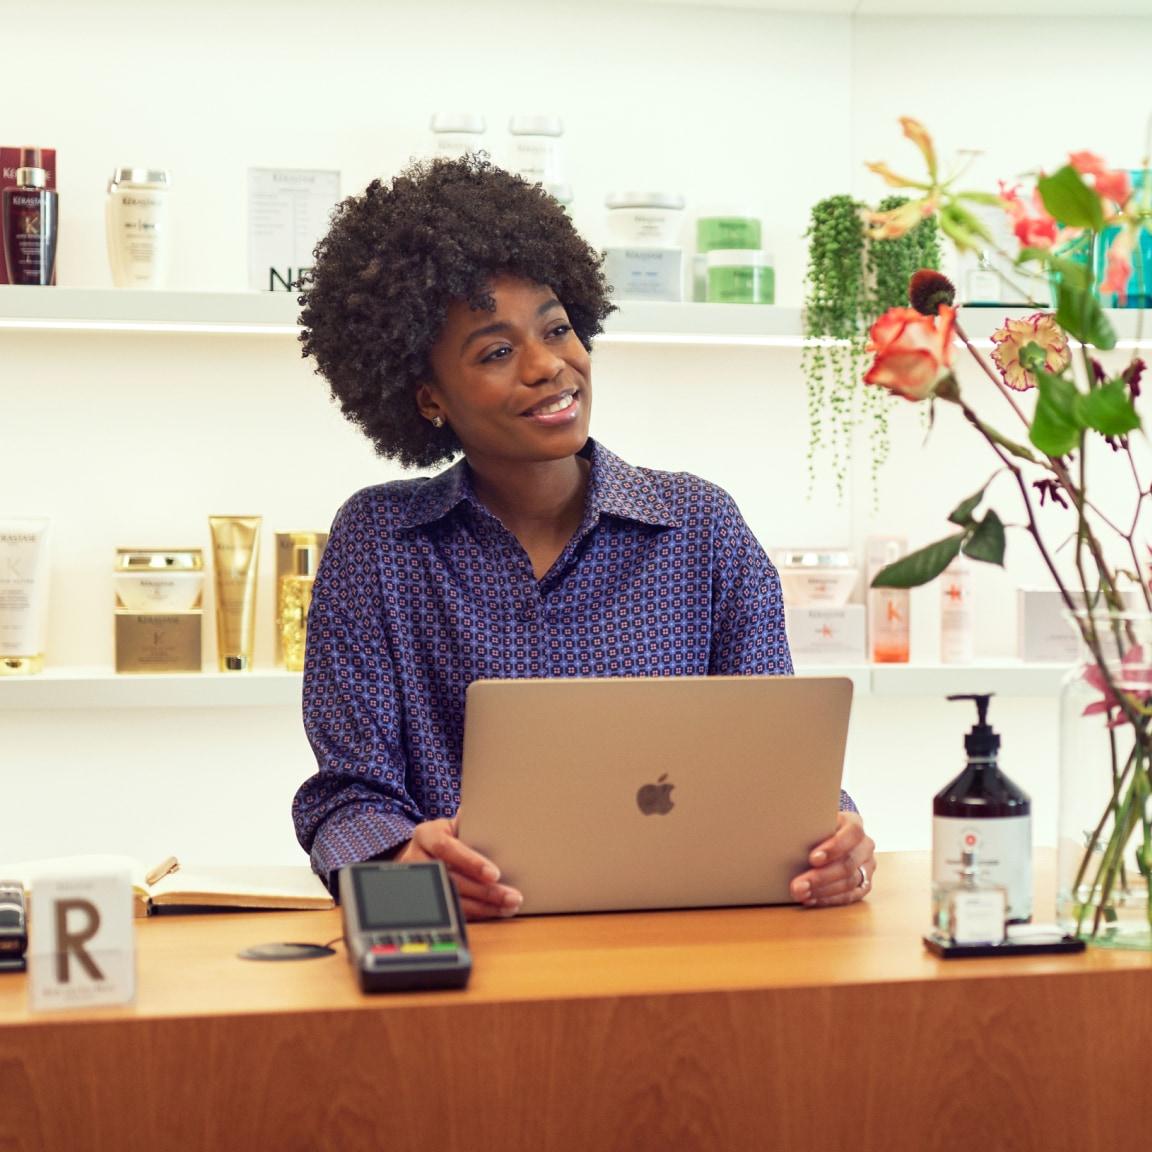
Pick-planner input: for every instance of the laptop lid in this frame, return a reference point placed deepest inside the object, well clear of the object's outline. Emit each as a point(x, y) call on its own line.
point(652, 792)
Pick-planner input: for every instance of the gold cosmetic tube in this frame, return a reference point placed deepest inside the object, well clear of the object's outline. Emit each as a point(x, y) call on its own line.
point(235, 550)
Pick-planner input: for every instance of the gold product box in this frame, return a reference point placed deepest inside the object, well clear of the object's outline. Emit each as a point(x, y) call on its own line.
point(288, 547)
point(159, 610)
point(159, 642)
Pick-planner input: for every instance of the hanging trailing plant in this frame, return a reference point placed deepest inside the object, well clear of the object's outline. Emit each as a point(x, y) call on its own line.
point(851, 280)
point(834, 337)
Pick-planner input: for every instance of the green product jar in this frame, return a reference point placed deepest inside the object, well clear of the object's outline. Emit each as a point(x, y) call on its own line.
point(741, 276)
point(713, 232)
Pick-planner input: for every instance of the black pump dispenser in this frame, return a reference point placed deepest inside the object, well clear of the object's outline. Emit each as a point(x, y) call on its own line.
point(981, 809)
point(981, 741)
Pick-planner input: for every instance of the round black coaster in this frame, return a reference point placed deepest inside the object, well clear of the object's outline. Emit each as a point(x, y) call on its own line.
point(286, 951)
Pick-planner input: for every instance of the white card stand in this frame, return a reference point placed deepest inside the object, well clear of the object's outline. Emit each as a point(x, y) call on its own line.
point(82, 943)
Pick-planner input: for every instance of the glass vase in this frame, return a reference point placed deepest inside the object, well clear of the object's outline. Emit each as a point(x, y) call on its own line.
point(1104, 853)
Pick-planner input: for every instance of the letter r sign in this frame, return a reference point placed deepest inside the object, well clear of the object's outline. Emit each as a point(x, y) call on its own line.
point(81, 941)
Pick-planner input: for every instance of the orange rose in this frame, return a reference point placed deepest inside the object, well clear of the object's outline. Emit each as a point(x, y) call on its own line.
point(913, 352)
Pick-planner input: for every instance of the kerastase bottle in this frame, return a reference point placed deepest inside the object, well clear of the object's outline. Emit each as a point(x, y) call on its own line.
point(136, 218)
point(984, 814)
point(956, 622)
point(29, 219)
point(889, 609)
point(294, 598)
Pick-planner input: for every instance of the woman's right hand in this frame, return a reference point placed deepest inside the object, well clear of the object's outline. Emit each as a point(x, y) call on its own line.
point(475, 876)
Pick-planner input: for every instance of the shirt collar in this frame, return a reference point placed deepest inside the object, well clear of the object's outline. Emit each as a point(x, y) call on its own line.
point(614, 489)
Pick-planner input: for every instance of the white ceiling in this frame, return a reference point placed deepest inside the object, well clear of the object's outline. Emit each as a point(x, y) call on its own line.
point(918, 8)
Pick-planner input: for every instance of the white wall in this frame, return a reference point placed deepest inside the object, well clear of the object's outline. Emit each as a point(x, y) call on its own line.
point(134, 441)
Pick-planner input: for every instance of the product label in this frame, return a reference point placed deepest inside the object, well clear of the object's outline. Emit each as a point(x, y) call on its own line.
point(288, 210)
point(1003, 848)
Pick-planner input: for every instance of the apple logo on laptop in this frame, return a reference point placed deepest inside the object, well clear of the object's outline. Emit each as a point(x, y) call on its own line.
point(656, 799)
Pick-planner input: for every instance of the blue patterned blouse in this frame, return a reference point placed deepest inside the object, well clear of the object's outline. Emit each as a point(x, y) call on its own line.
point(422, 590)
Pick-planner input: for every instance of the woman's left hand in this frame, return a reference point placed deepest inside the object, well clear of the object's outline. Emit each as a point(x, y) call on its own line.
point(841, 867)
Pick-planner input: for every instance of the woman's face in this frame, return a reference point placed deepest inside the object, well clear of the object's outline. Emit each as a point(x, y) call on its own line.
point(514, 383)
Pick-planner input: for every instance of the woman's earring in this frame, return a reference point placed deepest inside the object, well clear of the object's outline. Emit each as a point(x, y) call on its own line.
point(437, 421)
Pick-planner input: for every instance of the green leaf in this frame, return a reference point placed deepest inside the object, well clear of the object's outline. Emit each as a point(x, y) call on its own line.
point(1109, 409)
point(919, 567)
point(1079, 313)
point(989, 198)
point(962, 227)
point(1069, 200)
point(987, 542)
point(962, 513)
point(1056, 426)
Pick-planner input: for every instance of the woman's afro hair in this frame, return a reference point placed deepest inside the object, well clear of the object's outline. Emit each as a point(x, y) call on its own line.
point(394, 259)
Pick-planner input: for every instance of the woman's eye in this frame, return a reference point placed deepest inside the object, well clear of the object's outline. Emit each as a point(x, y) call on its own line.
point(496, 354)
point(561, 330)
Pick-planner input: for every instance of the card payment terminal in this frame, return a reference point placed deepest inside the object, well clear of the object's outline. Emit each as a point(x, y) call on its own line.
point(402, 926)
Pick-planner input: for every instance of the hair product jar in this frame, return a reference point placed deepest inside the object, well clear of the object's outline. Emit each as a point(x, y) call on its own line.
point(741, 276)
point(645, 219)
point(456, 134)
point(138, 227)
point(535, 149)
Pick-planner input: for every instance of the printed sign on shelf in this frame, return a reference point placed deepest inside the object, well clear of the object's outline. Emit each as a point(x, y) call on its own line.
point(288, 212)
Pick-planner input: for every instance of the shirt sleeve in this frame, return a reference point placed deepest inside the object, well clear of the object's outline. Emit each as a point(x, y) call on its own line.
point(357, 804)
point(749, 636)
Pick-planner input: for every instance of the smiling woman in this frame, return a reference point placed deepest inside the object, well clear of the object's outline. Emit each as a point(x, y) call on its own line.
point(453, 312)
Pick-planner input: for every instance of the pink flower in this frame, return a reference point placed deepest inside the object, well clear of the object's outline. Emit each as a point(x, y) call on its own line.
point(1114, 185)
point(1110, 182)
point(1086, 163)
point(1039, 328)
point(1033, 228)
point(1134, 670)
point(1118, 266)
point(913, 352)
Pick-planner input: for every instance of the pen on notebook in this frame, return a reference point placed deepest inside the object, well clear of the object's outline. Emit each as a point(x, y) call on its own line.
point(161, 870)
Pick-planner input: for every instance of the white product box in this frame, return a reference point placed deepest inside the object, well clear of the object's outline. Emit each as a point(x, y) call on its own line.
point(1044, 634)
point(644, 273)
point(826, 635)
point(288, 211)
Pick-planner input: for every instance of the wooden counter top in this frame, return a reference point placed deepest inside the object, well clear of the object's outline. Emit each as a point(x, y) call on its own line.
point(724, 1029)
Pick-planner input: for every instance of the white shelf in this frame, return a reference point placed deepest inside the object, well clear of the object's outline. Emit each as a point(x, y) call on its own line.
point(101, 688)
point(275, 314)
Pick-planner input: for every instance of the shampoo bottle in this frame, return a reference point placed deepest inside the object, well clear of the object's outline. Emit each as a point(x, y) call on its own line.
point(29, 219)
point(984, 815)
point(888, 608)
point(956, 622)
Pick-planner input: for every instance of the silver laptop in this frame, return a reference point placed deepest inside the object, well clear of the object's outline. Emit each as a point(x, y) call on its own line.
point(652, 792)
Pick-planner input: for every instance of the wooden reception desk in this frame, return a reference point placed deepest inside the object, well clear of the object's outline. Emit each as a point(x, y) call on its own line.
point(718, 1030)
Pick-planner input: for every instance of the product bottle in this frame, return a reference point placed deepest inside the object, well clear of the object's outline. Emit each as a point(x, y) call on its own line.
point(30, 218)
point(136, 219)
point(956, 621)
point(534, 151)
point(969, 910)
point(983, 812)
point(294, 598)
point(456, 134)
point(888, 608)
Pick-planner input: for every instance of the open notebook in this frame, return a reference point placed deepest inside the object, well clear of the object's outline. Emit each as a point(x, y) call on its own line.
point(169, 886)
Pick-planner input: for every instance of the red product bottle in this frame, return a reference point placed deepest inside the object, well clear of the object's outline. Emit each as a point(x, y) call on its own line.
point(29, 219)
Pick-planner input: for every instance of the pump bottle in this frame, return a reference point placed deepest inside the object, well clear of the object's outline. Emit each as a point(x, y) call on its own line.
point(984, 814)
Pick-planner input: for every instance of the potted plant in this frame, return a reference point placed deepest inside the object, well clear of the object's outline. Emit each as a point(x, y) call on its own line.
point(853, 276)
